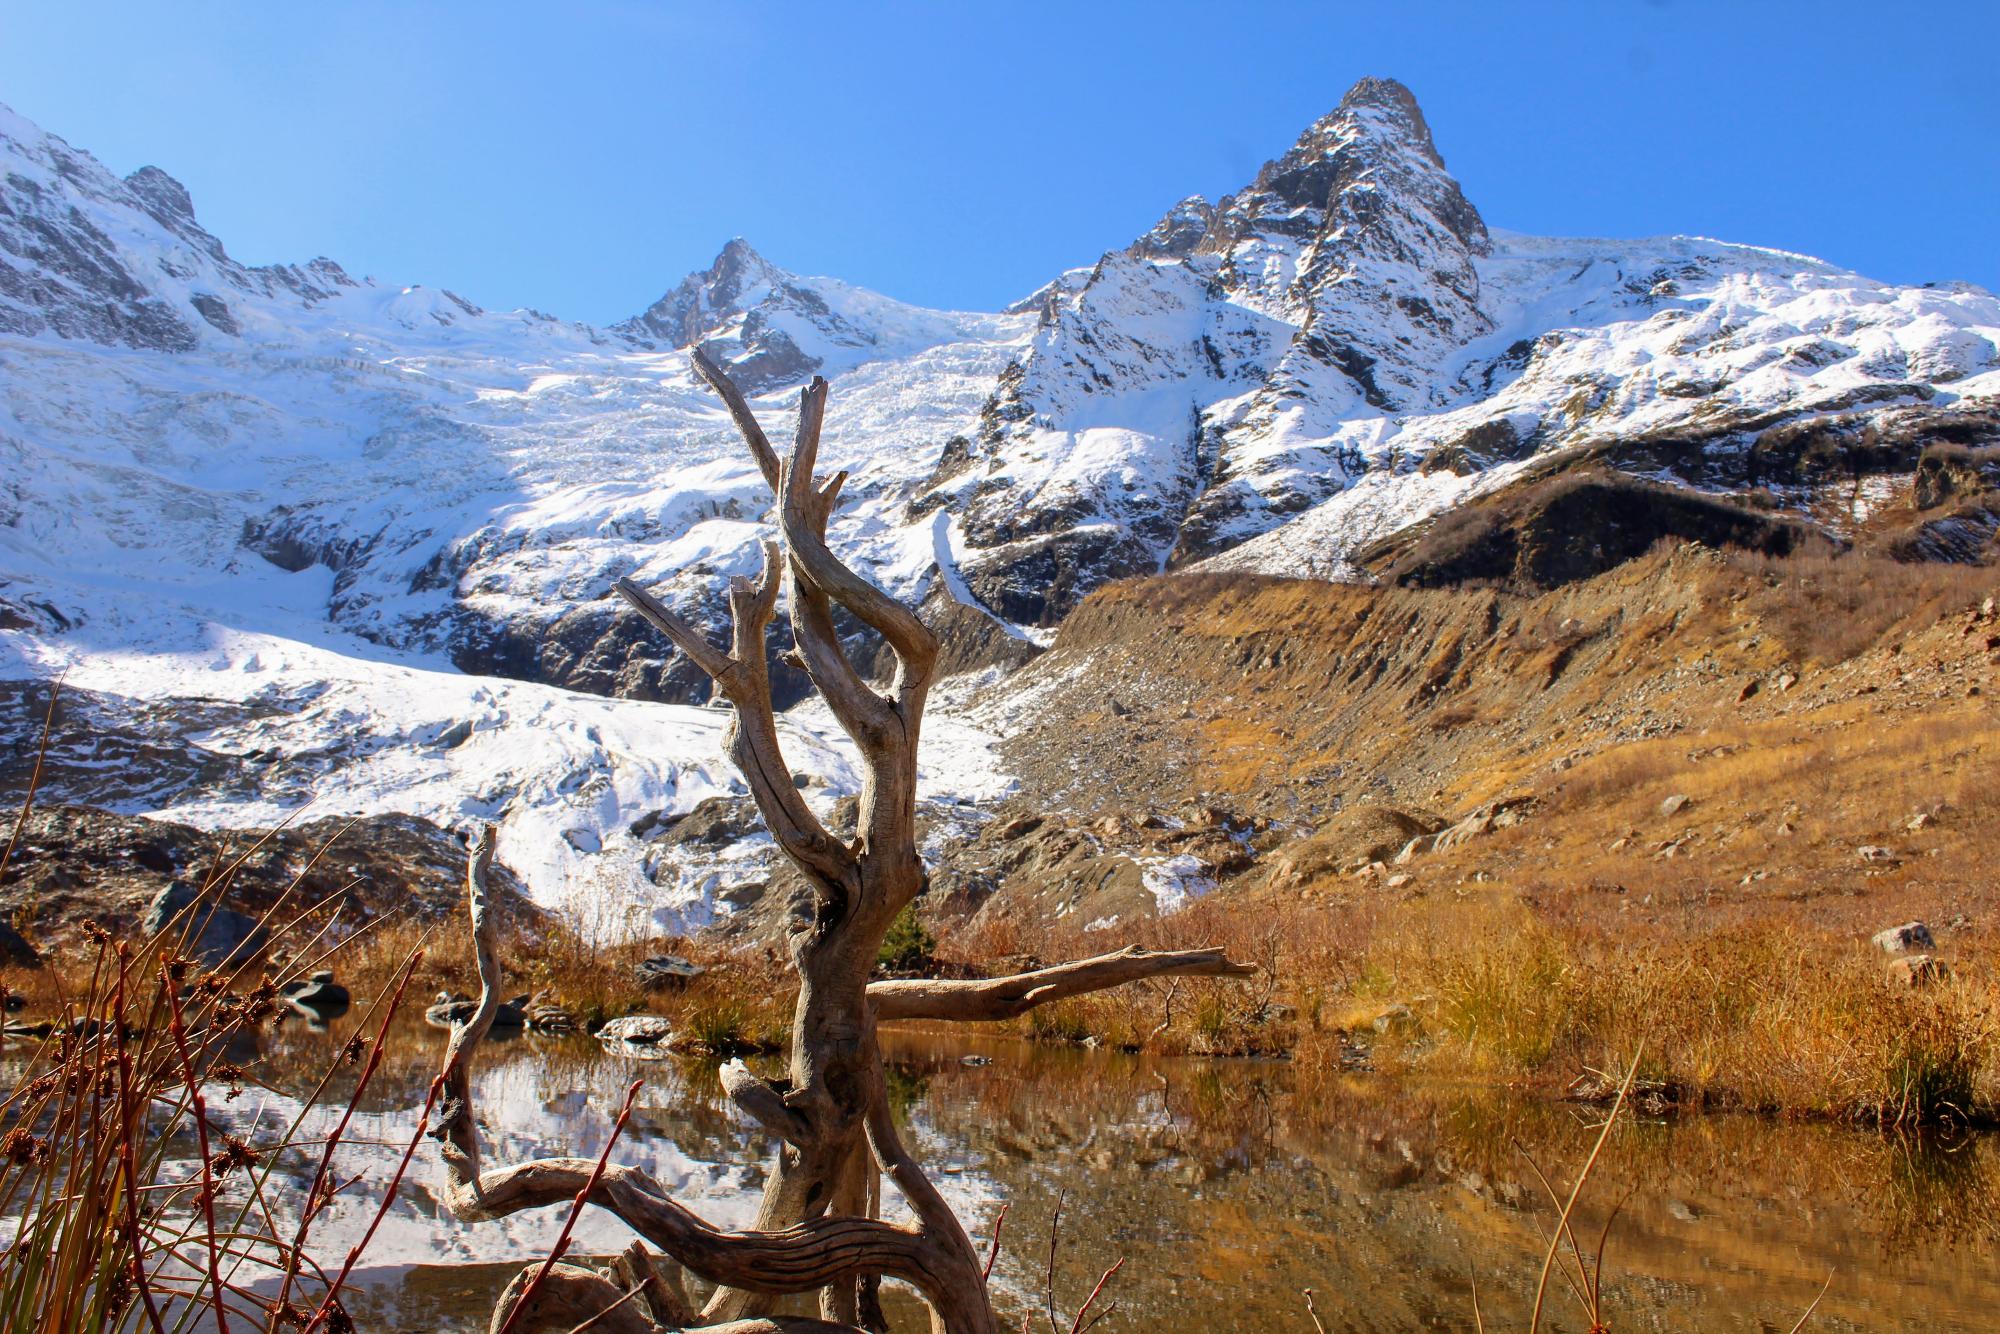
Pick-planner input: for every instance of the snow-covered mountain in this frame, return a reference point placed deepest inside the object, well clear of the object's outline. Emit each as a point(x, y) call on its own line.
point(1344, 348)
point(354, 517)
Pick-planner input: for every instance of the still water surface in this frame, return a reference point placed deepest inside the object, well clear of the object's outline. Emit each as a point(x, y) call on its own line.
point(1228, 1188)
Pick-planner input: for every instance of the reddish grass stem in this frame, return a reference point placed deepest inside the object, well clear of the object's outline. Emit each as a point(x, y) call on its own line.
point(575, 1210)
point(177, 1030)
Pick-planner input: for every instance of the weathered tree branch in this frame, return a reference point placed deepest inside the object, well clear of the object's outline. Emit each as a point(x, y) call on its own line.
point(1008, 997)
point(802, 517)
point(744, 677)
point(762, 1101)
point(739, 412)
point(815, 1226)
point(811, 1255)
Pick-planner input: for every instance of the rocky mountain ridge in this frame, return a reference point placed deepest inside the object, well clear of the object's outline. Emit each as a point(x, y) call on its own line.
point(353, 517)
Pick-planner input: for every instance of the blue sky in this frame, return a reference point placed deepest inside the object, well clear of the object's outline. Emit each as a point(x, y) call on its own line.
point(581, 158)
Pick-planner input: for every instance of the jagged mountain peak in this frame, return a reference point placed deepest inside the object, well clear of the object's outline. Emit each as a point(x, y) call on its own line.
point(1178, 234)
point(87, 256)
point(164, 197)
point(1396, 108)
point(1205, 368)
point(737, 280)
point(1371, 156)
point(768, 327)
point(772, 328)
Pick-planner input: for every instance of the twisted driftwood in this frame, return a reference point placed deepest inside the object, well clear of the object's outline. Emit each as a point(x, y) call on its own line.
point(816, 1229)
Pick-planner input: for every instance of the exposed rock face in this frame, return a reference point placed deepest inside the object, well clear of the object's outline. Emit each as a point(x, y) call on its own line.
point(1150, 418)
point(65, 274)
point(131, 874)
point(771, 329)
point(592, 647)
point(1357, 836)
point(1567, 528)
point(213, 934)
point(1360, 237)
point(750, 317)
point(1908, 936)
point(1948, 472)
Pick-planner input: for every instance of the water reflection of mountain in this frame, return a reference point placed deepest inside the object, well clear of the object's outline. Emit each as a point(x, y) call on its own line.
point(1227, 1186)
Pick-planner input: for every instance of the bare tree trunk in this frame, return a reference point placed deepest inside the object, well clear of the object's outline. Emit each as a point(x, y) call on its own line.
point(815, 1228)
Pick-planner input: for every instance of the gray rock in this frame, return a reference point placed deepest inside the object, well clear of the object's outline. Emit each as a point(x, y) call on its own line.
point(210, 933)
point(1396, 1018)
point(1675, 804)
point(1908, 936)
point(15, 951)
point(454, 736)
point(545, 1016)
point(455, 1007)
point(318, 992)
point(1916, 971)
point(715, 823)
point(1472, 826)
point(666, 970)
point(644, 1035)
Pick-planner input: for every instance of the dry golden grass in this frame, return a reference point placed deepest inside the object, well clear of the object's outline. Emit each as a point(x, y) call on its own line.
point(1828, 607)
point(1807, 707)
point(744, 998)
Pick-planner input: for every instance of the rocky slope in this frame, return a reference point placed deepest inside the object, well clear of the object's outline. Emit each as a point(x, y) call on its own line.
point(1201, 733)
point(81, 862)
point(297, 533)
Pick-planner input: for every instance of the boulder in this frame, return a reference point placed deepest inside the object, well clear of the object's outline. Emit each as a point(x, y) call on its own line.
point(1675, 804)
point(318, 992)
point(662, 971)
point(211, 934)
point(1476, 825)
point(641, 1029)
point(715, 822)
point(546, 1016)
point(455, 1007)
point(1358, 836)
point(643, 1037)
point(1917, 970)
point(1908, 936)
point(1397, 1018)
point(15, 951)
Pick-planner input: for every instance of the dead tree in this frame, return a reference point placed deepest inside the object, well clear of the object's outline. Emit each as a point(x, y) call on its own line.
point(816, 1229)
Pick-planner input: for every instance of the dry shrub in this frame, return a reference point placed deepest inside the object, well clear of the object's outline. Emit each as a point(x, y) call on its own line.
point(117, 1228)
point(1763, 1016)
point(1827, 607)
